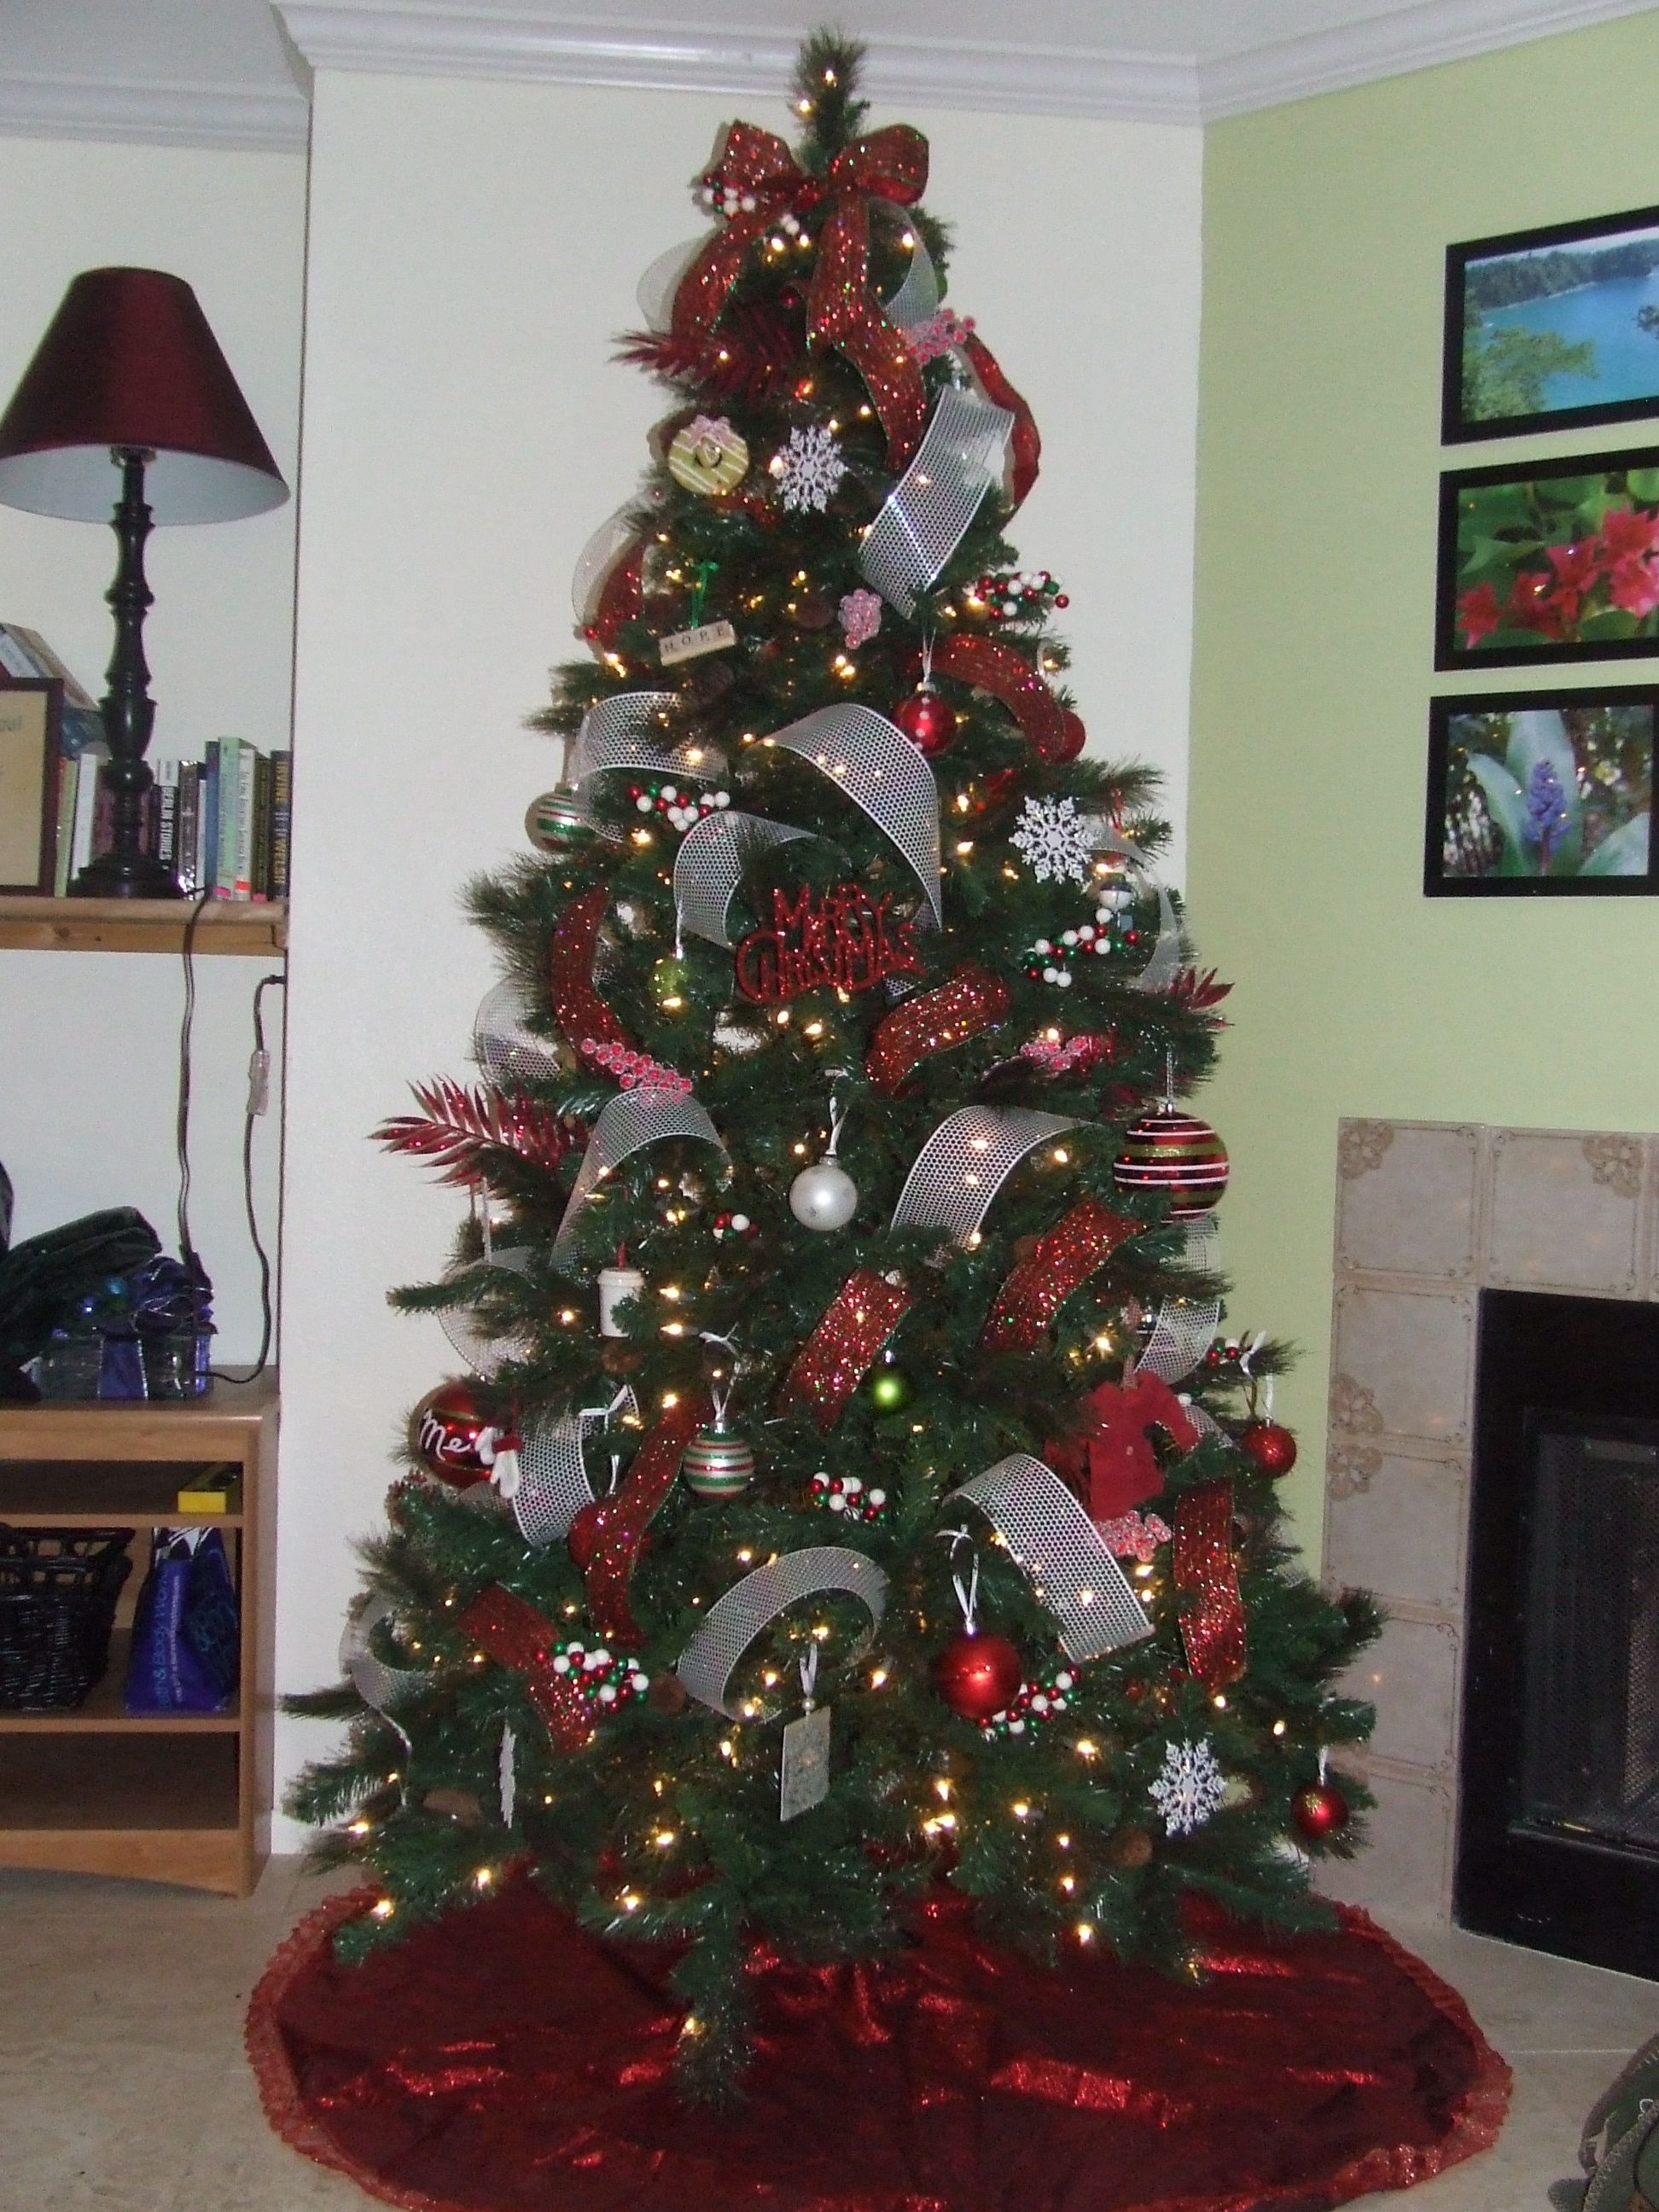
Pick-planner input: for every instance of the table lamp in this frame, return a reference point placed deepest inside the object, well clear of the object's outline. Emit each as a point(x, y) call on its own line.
point(128, 413)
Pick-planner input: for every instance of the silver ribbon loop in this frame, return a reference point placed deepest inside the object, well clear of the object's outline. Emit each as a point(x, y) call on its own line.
point(603, 551)
point(917, 299)
point(631, 1120)
point(736, 1619)
point(486, 1354)
point(929, 510)
point(554, 1484)
point(624, 732)
point(1164, 965)
point(1184, 1326)
point(507, 1050)
point(375, 1683)
point(965, 1163)
point(657, 287)
point(1062, 1554)
point(884, 776)
point(711, 864)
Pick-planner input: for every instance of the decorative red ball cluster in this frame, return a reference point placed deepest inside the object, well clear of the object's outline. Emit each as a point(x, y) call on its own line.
point(1020, 591)
point(846, 1494)
point(680, 809)
point(1033, 1703)
point(732, 1224)
point(603, 1680)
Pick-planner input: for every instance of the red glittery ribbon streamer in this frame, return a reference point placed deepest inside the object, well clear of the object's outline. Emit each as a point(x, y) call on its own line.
point(579, 1009)
point(619, 600)
point(1212, 1619)
point(933, 1021)
point(842, 1349)
point(1024, 442)
point(1065, 1256)
point(1053, 732)
point(842, 310)
point(513, 1634)
point(606, 1537)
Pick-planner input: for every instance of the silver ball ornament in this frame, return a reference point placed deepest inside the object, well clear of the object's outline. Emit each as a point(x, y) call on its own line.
point(824, 1197)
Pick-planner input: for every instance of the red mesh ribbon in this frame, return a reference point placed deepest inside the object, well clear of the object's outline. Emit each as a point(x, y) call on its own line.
point(842, 1349)
point(1065, 1256)
point(1053, 731)
point(606, 1536)
point(842, 310)
point(933, 1022)
point(514, 1635)
point(619, 600)
point(1025, 443)
point(1212, 1619)
point(579, 1009)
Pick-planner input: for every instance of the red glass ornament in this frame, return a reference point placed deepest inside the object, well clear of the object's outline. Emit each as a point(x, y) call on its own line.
point(1320, 1811)
point(926, 719)
point(976, 1675)
point(448, 1432)
point(1272, 1448)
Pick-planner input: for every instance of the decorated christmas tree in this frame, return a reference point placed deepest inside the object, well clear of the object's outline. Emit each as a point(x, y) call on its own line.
point(854, 1486)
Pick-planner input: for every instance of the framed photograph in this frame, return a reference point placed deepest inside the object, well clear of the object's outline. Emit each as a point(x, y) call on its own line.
point(29, 768)
point(1546, 793)
point(1549, 329)
point(1549, 561)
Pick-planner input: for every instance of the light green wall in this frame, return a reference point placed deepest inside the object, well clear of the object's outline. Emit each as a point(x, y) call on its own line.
point(1326, 224)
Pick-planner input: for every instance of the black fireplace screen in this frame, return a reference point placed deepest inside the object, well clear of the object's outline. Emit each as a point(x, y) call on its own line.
point(1589, 1733)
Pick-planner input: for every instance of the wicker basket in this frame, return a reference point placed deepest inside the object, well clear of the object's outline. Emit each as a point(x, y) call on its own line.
point(58, 1593)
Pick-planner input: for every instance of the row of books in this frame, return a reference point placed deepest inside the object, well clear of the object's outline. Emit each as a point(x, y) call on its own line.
point(220, 824)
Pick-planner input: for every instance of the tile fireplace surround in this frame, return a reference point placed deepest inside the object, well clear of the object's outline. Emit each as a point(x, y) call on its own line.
point(1428, 1215)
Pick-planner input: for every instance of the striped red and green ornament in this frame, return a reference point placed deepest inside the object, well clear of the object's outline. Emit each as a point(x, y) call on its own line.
point(1175, 1155)
point(719, 1463)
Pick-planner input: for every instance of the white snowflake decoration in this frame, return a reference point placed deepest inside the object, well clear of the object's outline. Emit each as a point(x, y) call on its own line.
point(808, 469)
point(1054, 839)
point(1190, 1787)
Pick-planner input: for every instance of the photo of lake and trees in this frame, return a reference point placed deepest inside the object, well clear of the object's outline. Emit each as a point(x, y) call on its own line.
point(1547, 328)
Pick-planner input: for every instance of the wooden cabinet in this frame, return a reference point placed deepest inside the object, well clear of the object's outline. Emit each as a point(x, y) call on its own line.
point(81, 924)
point(179, 1798)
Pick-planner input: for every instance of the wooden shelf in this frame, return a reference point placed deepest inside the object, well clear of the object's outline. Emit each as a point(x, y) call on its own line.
point(83, 1493)
point(155, 1808)
point(86, 925)
point(199, 1430)
point(104, 1711)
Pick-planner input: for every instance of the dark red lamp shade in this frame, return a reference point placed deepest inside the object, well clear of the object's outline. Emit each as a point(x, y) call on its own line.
point(129, 361)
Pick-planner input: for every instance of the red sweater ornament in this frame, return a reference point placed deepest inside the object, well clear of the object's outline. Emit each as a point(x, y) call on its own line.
point(1110, 1463)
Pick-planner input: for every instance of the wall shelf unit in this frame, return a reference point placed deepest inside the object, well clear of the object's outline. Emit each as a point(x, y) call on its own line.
point(252, 929)
point(179, 1798)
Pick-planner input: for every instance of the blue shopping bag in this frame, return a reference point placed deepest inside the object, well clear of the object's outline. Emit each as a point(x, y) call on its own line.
point(186, 1629)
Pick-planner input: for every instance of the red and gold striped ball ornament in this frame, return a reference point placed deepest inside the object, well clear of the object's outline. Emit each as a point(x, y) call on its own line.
point(718, 1463)
point(1177, 1156)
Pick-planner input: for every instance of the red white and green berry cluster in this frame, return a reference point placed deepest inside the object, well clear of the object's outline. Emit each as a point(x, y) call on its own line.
point(732, 1224)
point(679, 809)
point(848, 1494)
point(1049, 960)
point(1016, 596)
point(1033, 1703)
point(605, 1680)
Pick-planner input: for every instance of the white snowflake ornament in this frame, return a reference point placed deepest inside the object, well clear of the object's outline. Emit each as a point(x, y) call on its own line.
point(1053, 840)
point(1190, 1787)
point(808, 469)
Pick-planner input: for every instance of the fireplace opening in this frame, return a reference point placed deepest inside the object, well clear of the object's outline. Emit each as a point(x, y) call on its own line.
point(1558, 1811)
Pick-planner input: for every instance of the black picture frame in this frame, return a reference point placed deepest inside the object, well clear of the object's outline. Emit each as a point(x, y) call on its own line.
point(31, 763)
point(1614, 790)
point(1470, 270)
point(1557, 505)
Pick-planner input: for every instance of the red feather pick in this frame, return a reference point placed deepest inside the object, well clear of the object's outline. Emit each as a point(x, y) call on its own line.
point(750, 356)
point(458, 1129)
point(1196, 991)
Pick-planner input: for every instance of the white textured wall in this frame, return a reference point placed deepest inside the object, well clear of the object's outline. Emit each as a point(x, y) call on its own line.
point(88, 1042)
point(473, 249)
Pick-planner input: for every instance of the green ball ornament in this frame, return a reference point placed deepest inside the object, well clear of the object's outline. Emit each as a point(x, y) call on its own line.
point(556, 822)
point(890, 1389)
point(669, 980)
point(718, 1463)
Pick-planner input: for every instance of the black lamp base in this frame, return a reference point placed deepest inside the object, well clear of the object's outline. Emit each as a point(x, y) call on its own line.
point(129, 876)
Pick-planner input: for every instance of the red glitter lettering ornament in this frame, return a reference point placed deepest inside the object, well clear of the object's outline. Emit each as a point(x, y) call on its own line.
point(844, 941)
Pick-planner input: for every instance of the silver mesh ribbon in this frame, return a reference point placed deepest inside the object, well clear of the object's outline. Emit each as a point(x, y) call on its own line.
point(965, 1163)
point(883, 775)
point(928, 512)
point(625, 732)
point(553, 1480)
point(1062, 1553)
point(507, 1050)
point(656, 288)
point(598, 558)
point(485, 1353)
point(631, 1120)
point(711, 863)
point(916, 299)
point(1182, 1330)
point(375, 1683)
point(736, 1620)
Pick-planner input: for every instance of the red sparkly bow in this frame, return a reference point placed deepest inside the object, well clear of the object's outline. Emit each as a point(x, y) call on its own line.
point(842, 309)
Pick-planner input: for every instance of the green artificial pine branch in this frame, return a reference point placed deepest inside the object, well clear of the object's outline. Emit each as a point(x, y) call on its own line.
point(665, 1825)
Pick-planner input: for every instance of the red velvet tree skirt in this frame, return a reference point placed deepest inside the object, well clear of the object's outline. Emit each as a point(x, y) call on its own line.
point(503, 2062)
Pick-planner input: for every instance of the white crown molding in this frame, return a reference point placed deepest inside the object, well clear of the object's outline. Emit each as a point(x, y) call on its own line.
point(1422, 37)
point(155, 114)
point(423, 37)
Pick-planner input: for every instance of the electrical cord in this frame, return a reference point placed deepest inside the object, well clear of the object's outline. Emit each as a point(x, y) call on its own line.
point(186, 1249)
point(258, 1092)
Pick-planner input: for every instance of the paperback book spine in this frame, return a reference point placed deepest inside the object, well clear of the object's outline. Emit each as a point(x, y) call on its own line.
point(282, 800)
point(247, 787)
point(190, 785)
